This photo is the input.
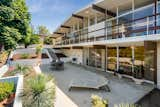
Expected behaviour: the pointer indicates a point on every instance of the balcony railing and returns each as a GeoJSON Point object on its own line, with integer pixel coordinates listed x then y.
{"type": "Point", "coordinates": [138, 27]}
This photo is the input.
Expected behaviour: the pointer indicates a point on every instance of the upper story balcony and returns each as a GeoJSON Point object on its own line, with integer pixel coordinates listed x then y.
{"type": "Point", "coordinates": [142, 21]}
{"type": "Point", "coordinates": [99, 32]}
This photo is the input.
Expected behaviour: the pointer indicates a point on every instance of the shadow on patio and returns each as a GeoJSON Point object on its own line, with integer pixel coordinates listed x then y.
{"type": "Point", "coordinates": [122, 90]}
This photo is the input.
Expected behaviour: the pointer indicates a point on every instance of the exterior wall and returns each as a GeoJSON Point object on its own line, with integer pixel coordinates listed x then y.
{"type": "Point", "coordinates": [74, 53]}
{"type": "Point", "coordinates": [158, 64]}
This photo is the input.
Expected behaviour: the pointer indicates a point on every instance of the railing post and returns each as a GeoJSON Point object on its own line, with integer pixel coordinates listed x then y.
{"type": "Point", "coordinates": [123, 30]}
{"type": "Point", "coordinates": [147, 25]}
{"type": "Point", "coordinates": [79, 37]}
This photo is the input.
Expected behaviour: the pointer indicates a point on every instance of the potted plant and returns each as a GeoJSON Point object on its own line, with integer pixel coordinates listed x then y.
{"type": "Point", "coordinates": [39, 92]}
{"type": "Point", "coordinates": [137, 74]}
{"type": "Point", "coordinates": [6, 93]}
{"type": "Point", "coordinates": [98, 101]}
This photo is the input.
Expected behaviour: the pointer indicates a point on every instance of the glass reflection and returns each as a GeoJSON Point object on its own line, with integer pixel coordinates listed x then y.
{"type": "Point", "coordinates": [111, 59]}
{"type": "Point", "coordinates": [125, 60]}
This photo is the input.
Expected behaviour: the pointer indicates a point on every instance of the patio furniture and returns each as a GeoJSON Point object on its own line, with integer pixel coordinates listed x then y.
{"type": "Point", "coordinates": [90, 84]}
{"type": "Point", "coordinates": [58, 65]}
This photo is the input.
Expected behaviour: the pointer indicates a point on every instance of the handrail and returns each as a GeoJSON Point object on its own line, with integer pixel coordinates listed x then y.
{"type": "Point", "coordinates": [145, 25]}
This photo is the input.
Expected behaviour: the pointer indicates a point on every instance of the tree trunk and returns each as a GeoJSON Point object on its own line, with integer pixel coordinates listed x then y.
{"type": "Point", "coordinates": [26, 46]}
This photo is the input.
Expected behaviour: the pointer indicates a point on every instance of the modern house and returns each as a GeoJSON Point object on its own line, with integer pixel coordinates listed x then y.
{"type": "Point", "coordinates": [115, 36]}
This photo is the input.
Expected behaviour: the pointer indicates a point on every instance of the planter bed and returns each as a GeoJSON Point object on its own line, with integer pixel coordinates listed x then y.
{"type": "Point", "coordinates": [32, 73]}
{"type": "Point", "coordinates": [13, 100]}
{"type": "Point", "coordinates": [19, 56]}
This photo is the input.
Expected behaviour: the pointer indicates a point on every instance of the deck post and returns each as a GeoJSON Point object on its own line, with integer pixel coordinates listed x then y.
{"type": "Point", "coordinates": [155, 18]}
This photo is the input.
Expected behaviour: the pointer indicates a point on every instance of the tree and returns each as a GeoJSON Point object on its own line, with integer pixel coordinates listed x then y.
{"type": "Point", "coordinates": [42, 30]}
{"type": "Point", "coordinates": [35, 39]}
{"type": "Point", "coordinates": [14, 22]}
{"type": "Point", "coordinates": [48, 40]}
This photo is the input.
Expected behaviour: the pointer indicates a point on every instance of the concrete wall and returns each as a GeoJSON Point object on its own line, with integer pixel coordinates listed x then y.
{"type": "Point", "coordinates": [74, 53]}
{"type": "Point", "coordinates": [158, 64]}
{"type": "Point", "coordinates": [18, 81]}
{"type": "Point", "coordinates": [3, 70]}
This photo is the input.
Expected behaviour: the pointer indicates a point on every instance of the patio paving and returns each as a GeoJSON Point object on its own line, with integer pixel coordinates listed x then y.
{"type": "Point", "coordinates": [122, 90]}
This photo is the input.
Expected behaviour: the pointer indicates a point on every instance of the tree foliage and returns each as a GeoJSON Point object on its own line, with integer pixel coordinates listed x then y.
{"type": "Point", "coordinates": [14, 22]}
{"type": "Point", "coordinates": [48, 40]}
{"type": "Point", "coordinates": [42, 30]}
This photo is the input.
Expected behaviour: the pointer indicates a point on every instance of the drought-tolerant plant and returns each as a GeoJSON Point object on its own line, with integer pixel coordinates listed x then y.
{"type": "Point", "coordinates": [38, 49]}
{"type": "Point", "coordinates": [39, 92]}
{"type": "Point", "coordinates": [6, 89]}
{"type": "Point", "coordinates": [126, 105]}
{"type": "Point", "coordinates": [25, 56]}
{"type": "Point", "coordinates": [98, 101]}
{"type": "Point", "coordinates": [3, 56]}
{"type": "Point", "coordinates": [21, 69]}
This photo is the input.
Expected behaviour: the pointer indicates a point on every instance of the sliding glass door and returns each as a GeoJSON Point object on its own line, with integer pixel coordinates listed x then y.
{"type": "Point", "coordinates": [112, 59]}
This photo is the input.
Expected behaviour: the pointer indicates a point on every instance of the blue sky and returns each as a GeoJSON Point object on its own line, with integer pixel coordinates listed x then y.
{"type": "Point", "coordinates": [51, 13]}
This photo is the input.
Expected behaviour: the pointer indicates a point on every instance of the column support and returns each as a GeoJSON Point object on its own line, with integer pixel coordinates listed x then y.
{"type": "Point", "coordinates": [155, 13]}
{"type": "Point", "coordinates": [133, 57]}
{"type": "Point", "coordinates": [117, 58]}
{"type": "Point", "coordinates": [105, 58]}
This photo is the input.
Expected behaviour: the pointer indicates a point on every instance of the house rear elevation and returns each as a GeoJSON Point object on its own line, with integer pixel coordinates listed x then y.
{"type": "Point", "coordinates": [120, 36]}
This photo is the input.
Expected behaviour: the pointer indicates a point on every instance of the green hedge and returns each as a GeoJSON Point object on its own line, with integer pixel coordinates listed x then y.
{"type": "Point", "coordinates": [6, 89]}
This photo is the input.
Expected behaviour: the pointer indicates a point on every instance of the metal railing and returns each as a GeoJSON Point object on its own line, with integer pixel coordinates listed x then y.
{"type": "Point", "coordinates": [137, 27]}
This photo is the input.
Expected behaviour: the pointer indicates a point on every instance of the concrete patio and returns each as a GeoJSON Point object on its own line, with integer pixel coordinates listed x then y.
{"type": "Point", "coordinates": [122, 90]}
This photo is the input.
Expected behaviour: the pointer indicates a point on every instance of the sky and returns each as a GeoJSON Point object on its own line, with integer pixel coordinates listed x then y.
{"type": "Point", "coordinates": [52, 13]}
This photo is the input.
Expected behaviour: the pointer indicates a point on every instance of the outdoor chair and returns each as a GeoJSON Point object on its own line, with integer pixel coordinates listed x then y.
{"type": "Point", "coordinates": [57, 65]}
{"type": "Point", "coordinates": [90, 84]}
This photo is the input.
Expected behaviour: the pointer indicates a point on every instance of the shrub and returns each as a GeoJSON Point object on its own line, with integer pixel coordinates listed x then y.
{"type": "Point", "coordinates": [3, 56]}
{"type": "Point", "coordinates": [21, 69]}
{"type": "Point", "coordinates": [38, 49]}
{"type": "Point", "coordinates": [25, 56]}
{"type": "Point", "coordinates": [98, 101]}
{"type": "Point", "coordinates": [6, 89]}
{"type": "Point", "coordinates": [39, 92]}
{"type": "Point", "coordinates": [127, 105]}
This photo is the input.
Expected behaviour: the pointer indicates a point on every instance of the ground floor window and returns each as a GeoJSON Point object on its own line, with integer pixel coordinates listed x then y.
{"type": "Point", "coordinates": [139, 62]}
{"type": "Point", "coordinates": [95, 57]}
{"type": "Point", "coordinates": [125, 60]}
{"type": "Point", "coordinates": [112, 59]}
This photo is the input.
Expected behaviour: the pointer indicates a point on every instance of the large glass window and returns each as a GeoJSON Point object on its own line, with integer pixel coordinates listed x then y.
{"type": "Point", "coordinates": [139, 62]}
{"type": "Point", "coordinates": [112, 29]}
{"type": "Point", "coordinates": [92, 20]}
{"type": "Point", "coordinates": [112, 59]}
{"type": "Point", "coordinates": [95, 57]}
{"type": "Point", "coordinates": [100, 18]}
{"type": "Point", "coordinates": [158, 17]}
{"type": "Point", "coordinates": [125, 24]}
{"type": "Point", "coordinates": [125, 60]}
{"type": "Point", "coordinates": [150, 60]}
